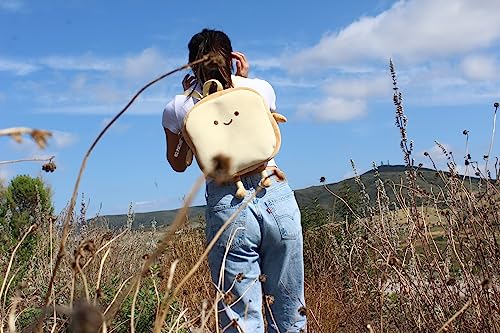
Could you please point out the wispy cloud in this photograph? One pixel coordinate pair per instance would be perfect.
(86, 62)
(360, 87)
(414, 30)
(481, 67)
(63, 140)
(17, 67)
(436, 153)
(11, 5)
(333, 109)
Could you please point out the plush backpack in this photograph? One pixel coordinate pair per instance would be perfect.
(233, 124)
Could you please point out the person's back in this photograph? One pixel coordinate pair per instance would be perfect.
(259, 255)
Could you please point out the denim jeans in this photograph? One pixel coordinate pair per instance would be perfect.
(258, 258)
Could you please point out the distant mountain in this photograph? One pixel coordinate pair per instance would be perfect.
(428, 180)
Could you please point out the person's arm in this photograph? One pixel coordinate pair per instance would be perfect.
(179, 163)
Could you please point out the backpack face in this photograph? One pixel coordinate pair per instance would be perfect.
(235, 123)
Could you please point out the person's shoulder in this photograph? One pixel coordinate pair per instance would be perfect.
(244, 81)
(178, 101)
(260, 85)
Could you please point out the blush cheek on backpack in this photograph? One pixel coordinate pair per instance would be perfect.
(233, 131)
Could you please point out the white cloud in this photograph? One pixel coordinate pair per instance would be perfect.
(11, 5)
(17, 67)
(436, 153)
(413, 30)
(333, 109)
(481, 67)
(363, 87)
(86, 62)
(266, 63)
(145, 65)
(63, 139)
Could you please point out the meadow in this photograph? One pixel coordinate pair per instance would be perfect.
(402, 259)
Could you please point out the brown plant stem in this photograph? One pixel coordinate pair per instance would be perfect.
(71, 207)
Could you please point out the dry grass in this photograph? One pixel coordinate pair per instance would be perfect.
(416, 268)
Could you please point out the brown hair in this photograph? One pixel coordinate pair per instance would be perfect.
(217, 42)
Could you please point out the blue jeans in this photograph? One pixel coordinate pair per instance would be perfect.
(261, 256)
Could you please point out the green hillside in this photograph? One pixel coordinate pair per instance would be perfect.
(428, 180)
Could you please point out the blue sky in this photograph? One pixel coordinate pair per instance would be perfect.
(69, 66)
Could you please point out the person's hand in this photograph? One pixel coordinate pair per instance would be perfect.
(242, 66)
(188, 81)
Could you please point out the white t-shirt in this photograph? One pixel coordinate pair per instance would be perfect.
(178, 107)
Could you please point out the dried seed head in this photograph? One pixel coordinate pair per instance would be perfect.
(49, 166)
(40, 137)
(262, 278)
(239, 277)
(270, 299)
(486, 283)
(302, 310)
(465, 132)
(107, 236)
(229, 298)
(221, 166)
(85, 318)
(322, 179)
(234, 323)
(392, 261)
(426, 153)
(496, 105)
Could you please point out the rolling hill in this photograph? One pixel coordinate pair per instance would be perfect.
(314, 195)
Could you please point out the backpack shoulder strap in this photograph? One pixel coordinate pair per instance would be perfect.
(208, 84)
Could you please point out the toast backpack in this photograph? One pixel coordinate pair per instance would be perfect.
(235, 125)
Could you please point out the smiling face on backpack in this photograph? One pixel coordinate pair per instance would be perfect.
(227, 122)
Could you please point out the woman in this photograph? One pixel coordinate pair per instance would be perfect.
(264, 262)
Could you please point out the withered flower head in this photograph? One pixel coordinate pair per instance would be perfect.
(49, 166)
(239, 277)
(322, 179)
(486, 283)
(229, 298)
(221, 166)
(451, 282)
(302, 310)
(85, 318)
(262, 278)
(40, 137)
(496, 105)
(270, 299)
